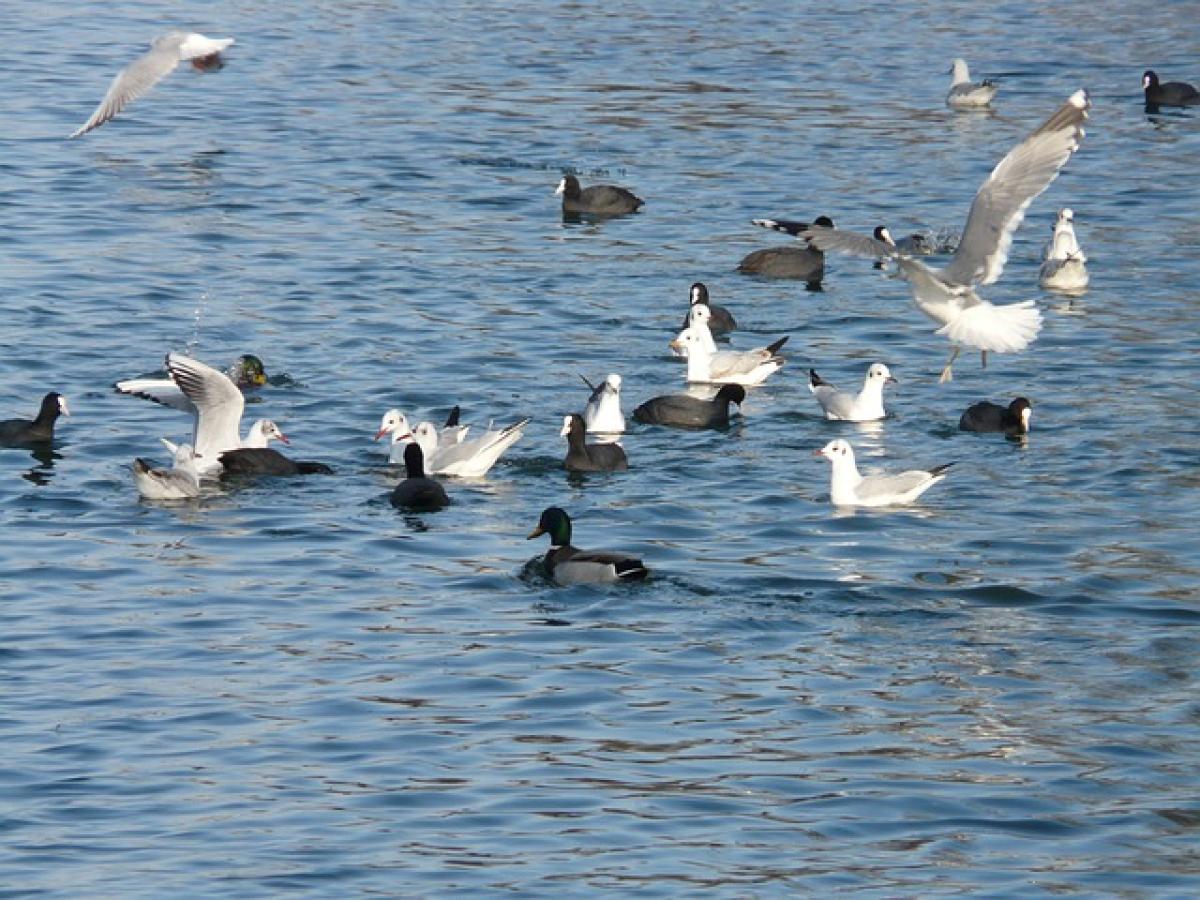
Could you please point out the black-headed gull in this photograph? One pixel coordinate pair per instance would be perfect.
(865, 406)
(395, 423)
(1065, 266)
(720, 320)
(985, 416)
(685, 411)
(472, 457)
(566, 564)
(948, 295)
(1167, 93)
(848, 488)
(182, 482)
(418, 492)
(584, 457)
(38, 430)
(597, 200)
(166, 52)
(603, 415)
(217, 405)
(966, 94)
(744, 367)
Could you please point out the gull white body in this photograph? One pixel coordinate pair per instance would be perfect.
(179, 483)
(1065, 266)
(848, 487)
(166, 52)
(699, 318)
(745, 367)
(471, 458)
(964, 94)
(948, 295)
(603, 415)
(865, 406)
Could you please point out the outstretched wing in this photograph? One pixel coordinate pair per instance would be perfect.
(132, 82)
(1001, 201)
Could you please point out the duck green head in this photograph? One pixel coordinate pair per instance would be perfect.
(556, 523)
(249, 371)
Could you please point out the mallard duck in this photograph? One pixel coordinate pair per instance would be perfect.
(38, 430)
(570, 565)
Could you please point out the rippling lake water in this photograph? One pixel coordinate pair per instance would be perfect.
(291, 687)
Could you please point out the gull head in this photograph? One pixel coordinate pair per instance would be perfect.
(269, 431)
(613, 383)
(960, 71)
(835, 451)
(394, 423)
(880, 373)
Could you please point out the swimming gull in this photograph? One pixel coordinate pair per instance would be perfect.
(849, 488)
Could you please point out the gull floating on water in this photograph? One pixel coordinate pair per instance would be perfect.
(744, 367)
(1065, 268)
(865, 406)
(166, 52)
(179, 483)
(603, 415)
(848, 488)
(965, 94)
(948, 295)
(469, 458)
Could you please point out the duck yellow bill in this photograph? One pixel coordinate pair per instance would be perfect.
(537, 532)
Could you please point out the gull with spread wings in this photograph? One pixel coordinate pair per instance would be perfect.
(948, 295)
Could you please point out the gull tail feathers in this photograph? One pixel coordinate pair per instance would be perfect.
(999, 329)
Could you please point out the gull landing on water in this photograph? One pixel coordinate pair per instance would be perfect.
(948, 295)
(166, 52)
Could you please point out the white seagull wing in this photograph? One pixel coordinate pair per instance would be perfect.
(218, 402)
(132, 82)
(159, 390)
(1002, 199)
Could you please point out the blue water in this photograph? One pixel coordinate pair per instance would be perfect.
(290, 687)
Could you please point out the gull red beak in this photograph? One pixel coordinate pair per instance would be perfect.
(283, 437)
(381, 432)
